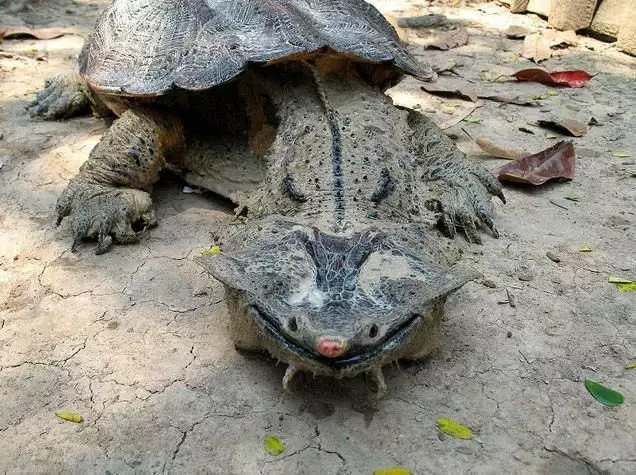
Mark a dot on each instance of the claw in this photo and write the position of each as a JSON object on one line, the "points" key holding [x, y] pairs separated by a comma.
{"points": [[375, 381], [289, 375]]}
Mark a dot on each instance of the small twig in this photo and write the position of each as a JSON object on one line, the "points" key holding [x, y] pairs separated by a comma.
{"points": [[558, 205], [512, 300]]}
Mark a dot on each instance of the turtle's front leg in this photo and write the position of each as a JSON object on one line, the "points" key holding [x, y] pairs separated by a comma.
{"points": [[460, 191], [110, 193], [64, 95]]}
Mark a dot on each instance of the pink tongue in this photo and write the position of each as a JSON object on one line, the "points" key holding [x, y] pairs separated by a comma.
{"points": [[330, 347]]}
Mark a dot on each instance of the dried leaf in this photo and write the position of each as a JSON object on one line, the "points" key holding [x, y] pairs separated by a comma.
{"points": [[495, 150], [453, 428], [561, 39], [212, 251], [273, 445], [620, 154], [510, 99], [613, 279], [459, 116], [515, 32], [558, 78], [585, 249], [450, 40], [554, 163], [605, 396], [70, 416], [536, 47], [451, 89], [392, 471], [19, 31], [570, 126]]}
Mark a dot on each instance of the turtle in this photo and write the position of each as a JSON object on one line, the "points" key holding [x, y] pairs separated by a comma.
{"points": [[349, 204]]}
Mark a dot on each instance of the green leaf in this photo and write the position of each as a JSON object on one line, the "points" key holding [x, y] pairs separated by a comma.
{"points": [[620, 154], [453, 428], [392, 471], [604, 395], [631, 365], [585, 249], [472, 119], [613, 279], [550, 136], [213, 251], [273, 445], [631, 287], [70, 416]]}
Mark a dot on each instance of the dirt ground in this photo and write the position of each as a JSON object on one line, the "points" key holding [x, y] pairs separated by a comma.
{"points": [[136, 340]]}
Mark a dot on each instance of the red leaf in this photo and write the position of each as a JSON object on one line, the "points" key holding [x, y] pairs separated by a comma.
{"points": [[557, 78], [556, 162]]}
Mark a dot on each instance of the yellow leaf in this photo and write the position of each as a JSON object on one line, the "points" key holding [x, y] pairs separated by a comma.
{"points": [[612, 279], [620, 154], [471, 119], [213, 251], [631, 287], [453, 428], [585, 249], [392, 471], [550, 136], [273, 445], [631, 365], [70, 416]]}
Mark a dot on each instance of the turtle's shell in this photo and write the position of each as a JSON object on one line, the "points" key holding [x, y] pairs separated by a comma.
{"points": [[150, 47]]}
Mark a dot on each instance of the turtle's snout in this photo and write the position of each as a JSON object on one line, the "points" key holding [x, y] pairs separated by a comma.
{"points": [[331, 347]]}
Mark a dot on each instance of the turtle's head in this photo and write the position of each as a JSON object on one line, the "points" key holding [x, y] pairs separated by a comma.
{"points": [[334, 304]]}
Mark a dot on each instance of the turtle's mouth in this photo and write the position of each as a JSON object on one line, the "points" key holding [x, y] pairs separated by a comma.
{"points": [[351, 363]]}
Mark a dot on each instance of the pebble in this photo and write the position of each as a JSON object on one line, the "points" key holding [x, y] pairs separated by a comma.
{"points": [[509, 334], [525, 275], [423, 21], [488, 283], [553, 257]]}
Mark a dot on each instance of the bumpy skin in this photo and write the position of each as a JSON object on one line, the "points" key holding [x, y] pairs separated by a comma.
{"points": [[340, 251], [110, 194]]}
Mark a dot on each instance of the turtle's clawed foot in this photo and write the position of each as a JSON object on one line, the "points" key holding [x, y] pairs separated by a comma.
{"points": [[465, 203], [105, 213], [64, 95]]}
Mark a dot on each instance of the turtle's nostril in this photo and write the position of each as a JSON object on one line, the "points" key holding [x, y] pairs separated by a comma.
{"points": [[373, 331], [293, 324], [331, 347]]}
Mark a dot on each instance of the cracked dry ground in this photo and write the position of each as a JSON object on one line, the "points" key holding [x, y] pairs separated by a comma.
{"points": [[136, 340]]}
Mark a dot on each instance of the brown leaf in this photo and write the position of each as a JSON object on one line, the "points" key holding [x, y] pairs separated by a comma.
{"points": [[536, 47], [554, 163], [450, 40], [557, 78], [451, 89], [515, 32], [511, 99], [495, 150], [569, 126], [19, 31]]}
